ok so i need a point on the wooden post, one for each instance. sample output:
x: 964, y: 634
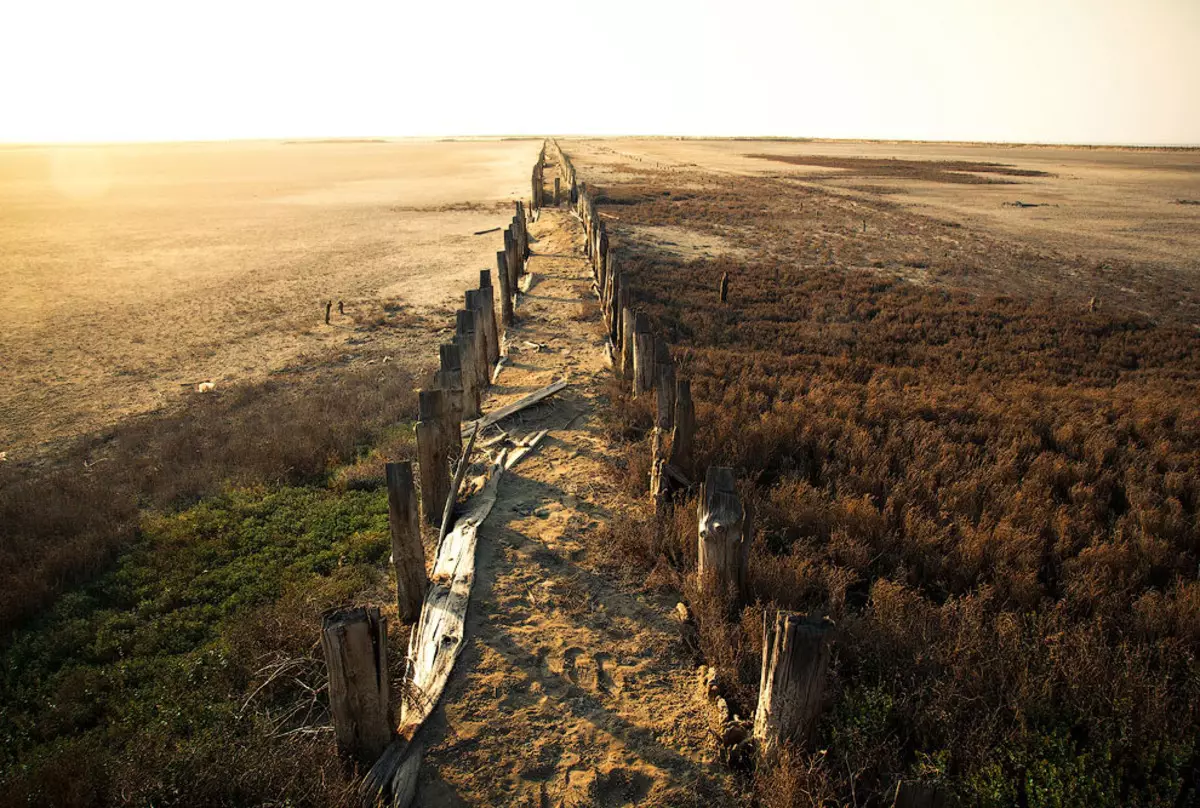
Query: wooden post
x: 724, y: 546
x: 556, y: 192
x: 474, y: 300
x: 473, y: 304
x: 725, y: 287
x: 489, y: 316
x: 472, y: 398
x: 506, y: 290
x: 432, y: 453
x: 664, y: 384
x: 328, y: 311
x: 355, y: 645
x: 514, y: 263
x: 460, y: 386
x: 792, y: 684
x: 643, y: 354
x: 627, y: 341
x: 912, y: 794
x: 685, y: 428
x: 408, y: 553
x: 467, y: 332
x: 341, y: 308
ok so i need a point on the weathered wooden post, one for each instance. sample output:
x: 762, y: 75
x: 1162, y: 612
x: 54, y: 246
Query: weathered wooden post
x: 408, y: 553
x: 464, y: 347
x: 355, y: 645
x: 556, y: 193
x: 912, y: 794
x: 724, y: 287
x: 432, y: 453
x: 792, y: 684
x: 724, y: 546
x: 506, y: 290
x: 643, y: 354
x: 464, y: 396
x: 489, y: 316
x: 473, y: 300
x: 514, y: 263
x: 685, y: 428
x: 467, y: 330
x: 328, y: 311
x: 628, y: 340
x: 664, y: 385
x: 341, y: 308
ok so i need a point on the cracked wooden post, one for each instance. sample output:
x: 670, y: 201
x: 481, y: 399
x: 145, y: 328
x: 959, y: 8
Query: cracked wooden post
x: 627, y: 340
x: 432, y: 454
x: 506, y: 290
x: 514, y: 263
x: 464, y: 395
x: 557, y: 197
x: 489, y: 316
x: 408, y: 553
x: 724, y: 546
x: 464, y: 347
x: 467, y: 331
x: 474, y: 300
x: 355, y: 645
x: 643, y: 354
x: 664, y: 385
x: 792, y: 684
x: 685, y: 428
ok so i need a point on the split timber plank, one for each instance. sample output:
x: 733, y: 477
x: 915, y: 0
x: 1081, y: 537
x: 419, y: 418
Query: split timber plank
x: 502, y: 413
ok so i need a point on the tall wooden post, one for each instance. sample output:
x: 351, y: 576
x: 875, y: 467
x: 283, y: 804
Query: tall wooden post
x: 664, y: 385
x: 328, y: 310
x: 474, y: 305
x: 472, y: 398
x: 432, y: 453
x: 643, y: 354
x: 408, y: 553
x: 724, y: 287
x: 628, y: 339
x: 355, y: 646
x: 557, y: 198
x: 792, y: 683
x: 459, y: 386
x: 724, y: 546
x: 474, y: 301
x: 489, y: 315
x: 506, y: 290
x: 468, y: 333
x: 685, y: 428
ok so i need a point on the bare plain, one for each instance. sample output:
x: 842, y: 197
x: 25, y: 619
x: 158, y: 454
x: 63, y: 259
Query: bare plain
x: 132, y: 272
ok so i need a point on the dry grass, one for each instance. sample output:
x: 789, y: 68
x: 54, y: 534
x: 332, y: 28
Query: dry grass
x: 991, y: 490
x: 65, y: 522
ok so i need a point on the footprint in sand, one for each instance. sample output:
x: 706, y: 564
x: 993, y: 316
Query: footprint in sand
x: 570, y: 657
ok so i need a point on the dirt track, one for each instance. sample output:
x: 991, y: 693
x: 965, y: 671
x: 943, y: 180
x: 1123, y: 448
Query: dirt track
x: 573, y: 690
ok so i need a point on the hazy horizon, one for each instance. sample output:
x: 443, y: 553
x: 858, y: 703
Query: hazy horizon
x: 1070, y: 72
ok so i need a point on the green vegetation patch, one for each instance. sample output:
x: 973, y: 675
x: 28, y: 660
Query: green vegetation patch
x: 137, y: 684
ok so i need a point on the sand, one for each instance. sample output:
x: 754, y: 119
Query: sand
x: 128, y: 271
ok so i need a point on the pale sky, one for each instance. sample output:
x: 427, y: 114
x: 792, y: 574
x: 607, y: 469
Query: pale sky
x: 1093, y: 71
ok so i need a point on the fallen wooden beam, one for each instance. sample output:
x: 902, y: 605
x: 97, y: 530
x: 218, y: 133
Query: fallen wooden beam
x: 524, y: 447
x: 510, y: 409
x: 485, y: 232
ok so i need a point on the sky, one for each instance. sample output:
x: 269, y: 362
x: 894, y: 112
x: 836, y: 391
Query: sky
x: 1065, y: 71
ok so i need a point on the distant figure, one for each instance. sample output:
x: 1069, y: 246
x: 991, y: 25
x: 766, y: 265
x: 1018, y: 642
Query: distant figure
x: 340, y: 309
x: 725, y: 287
x: 328, y: 311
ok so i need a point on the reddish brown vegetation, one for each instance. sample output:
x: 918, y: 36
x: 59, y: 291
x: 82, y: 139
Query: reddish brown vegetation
x: 994, y: 496
x: 964, y: 172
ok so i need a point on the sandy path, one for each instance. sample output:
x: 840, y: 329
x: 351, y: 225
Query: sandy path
x: 572, y: 690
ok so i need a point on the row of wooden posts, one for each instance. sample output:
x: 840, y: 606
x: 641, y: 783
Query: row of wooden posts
x: 796, y: 648
x: 355, y: 640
